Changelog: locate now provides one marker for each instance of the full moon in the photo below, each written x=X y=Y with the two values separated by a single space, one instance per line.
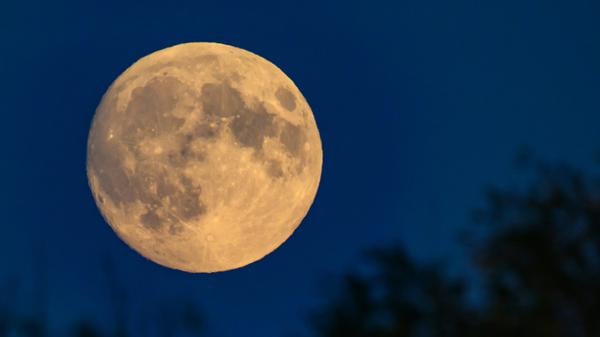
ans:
x=203 y=157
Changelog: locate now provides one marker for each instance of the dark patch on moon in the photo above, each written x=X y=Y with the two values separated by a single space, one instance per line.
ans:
x=252 y=126
x=149 y=182
x=104 y=159
x=164 y=188
x=274 y=169
x=286 y=98
x=184 y=153
x=149 y=112
x=160 y=190
x=183 y=156
x=175 y=227
x=177 y=158
x=153 y=186
x=205 y=131
x=188 y=204
x=187 y=154
x=112 y=177
x=221 y=100
x=292 y=137
x=151 y=220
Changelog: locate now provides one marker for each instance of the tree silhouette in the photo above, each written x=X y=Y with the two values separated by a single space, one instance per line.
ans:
x=537 y=251
x=541 y=259
x=399 y=298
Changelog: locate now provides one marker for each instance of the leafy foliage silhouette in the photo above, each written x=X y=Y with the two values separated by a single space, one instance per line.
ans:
x=537 y=253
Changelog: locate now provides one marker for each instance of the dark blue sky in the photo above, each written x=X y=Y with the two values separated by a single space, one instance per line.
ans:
x=420 y=105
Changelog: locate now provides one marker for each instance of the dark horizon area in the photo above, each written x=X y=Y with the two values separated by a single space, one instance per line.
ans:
x=421 y=107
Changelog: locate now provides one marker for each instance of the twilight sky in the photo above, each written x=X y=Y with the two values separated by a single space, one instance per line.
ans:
x=420 y=105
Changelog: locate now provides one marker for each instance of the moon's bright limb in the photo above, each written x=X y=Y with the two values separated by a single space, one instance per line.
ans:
x=204 y=157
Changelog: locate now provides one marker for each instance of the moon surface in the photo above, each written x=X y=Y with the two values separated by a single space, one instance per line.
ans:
x=203 y=157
